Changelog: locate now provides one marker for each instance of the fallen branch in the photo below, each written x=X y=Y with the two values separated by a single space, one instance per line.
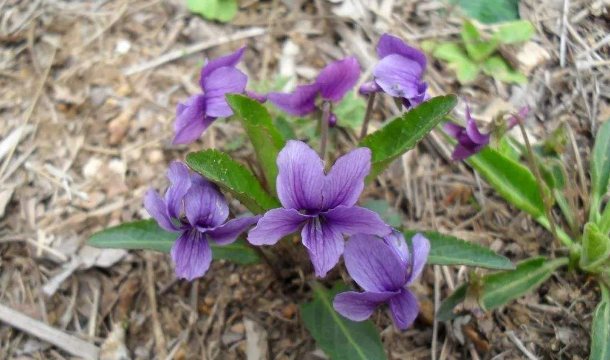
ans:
x=58 y=338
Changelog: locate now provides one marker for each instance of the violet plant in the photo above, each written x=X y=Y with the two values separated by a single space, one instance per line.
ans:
x=535 y=179
x=291 y=195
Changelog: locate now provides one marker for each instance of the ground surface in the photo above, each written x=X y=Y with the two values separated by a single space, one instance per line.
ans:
x=80 y=82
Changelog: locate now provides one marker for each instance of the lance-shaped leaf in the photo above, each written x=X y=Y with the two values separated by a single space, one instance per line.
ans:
x=147 y=235
x=600 y=330
x=449 y=250
x=230 y=175
x=265 y=137
x=403 y=133
x=595 y=248
x=500 y=288
x=600 y=168
x=340 y=338
x=513 y=181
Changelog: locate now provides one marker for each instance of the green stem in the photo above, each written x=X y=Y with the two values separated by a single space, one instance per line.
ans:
x=540 y=182
x=604 y=220
x=367 y=115
x=324 y=129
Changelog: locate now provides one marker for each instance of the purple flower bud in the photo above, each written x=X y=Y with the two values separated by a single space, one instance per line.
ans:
x=333 y=82
x=218 y=78
x=197 y=211
x=332 y=119
x=399 y=72
x=514 y=119
x=383 y=268
x=322 y=205
x=470 y=139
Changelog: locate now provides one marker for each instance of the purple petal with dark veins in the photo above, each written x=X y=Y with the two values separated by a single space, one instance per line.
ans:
x=228 y=232
x=373 y=264
x=274 y=225
x=191 y=254
x=404 y=309
x=351 y=220
x=324 y=244
x=359 y=306
x=345 y=180
x=205 y=206
x=180 y=181
x=300 y=177
x=156 y=207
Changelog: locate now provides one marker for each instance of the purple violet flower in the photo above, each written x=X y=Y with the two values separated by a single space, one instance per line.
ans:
x=218 y=78
x=324 y=205
x=469 y=138
x=399 y=72
x=514 y=119
x=333 y=82
x=194 y=208
x=383 y=268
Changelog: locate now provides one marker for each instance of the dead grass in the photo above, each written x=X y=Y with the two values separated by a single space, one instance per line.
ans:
x=87 y=96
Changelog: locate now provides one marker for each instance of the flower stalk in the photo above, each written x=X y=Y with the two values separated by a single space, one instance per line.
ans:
x=367 y=115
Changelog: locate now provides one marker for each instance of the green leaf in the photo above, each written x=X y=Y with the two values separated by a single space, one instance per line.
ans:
x=403 y=133
x=499 y=288
x=387 y=212
x=502 y=287
x=515 y=32
x=221 y=10
x=449 y=250
x=147 y=235
x=499 y=69
x=595 y=248
x=600 y=168
x=445 y=311
x=478 y=49
x=450 y=52
x=604 y=220
x=350 y=111
x=465 y=71
x=265 y=137
x=512 y=180
x=600 y=330
x=489 y=12
x=232 y=176
x=340 y=338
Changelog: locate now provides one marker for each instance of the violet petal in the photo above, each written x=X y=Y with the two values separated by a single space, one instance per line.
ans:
x=300 y=102
x=191 y=120
x=324 y=244
x=337 y=78
x=345 y=181
x=398 y=76
x=156 y=207
x=373 y=264
x=180 y=179
x=351 y=220
x=228 y=232
x=222 y=81
x=274 y=225
x=191 y=254
x=228 y=60
x=205 y=206
x=300 y=177
x=404 y=309
x=421 y=249
x=390 y=44
x=358 y=306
